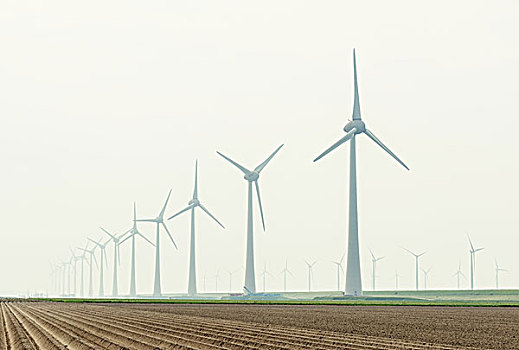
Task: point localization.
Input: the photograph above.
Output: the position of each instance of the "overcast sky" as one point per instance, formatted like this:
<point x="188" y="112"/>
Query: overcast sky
<point x="104" y="103"/>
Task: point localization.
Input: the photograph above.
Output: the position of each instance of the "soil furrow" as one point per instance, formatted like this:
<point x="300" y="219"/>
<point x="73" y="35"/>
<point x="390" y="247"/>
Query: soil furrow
<point x="18" y="337"/>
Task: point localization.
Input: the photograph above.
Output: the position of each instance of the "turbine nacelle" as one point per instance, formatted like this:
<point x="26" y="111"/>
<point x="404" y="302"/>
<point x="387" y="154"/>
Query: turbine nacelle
<point x="251" y="176"/>
<point x="358" y="124"/>
<point x="195" y="202"/>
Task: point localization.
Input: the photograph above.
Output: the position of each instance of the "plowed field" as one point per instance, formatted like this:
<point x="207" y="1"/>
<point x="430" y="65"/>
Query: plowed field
<point x="48" y="325"/>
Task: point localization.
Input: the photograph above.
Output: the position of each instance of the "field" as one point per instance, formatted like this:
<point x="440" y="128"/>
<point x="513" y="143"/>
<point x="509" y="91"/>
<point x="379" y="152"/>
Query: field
<point x="54" y="325"/>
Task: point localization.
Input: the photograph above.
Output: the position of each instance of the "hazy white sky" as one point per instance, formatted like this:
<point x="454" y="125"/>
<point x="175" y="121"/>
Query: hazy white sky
<point x="103" y="103"/>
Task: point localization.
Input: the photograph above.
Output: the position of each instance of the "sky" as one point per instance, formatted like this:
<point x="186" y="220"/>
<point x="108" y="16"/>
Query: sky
<point x="107" y="103"/>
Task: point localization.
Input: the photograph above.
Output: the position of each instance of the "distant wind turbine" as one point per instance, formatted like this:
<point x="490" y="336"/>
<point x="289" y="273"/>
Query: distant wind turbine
<point x="82" y="257"/>
<point x="134" y="232"/>
<point x="498" y="269"/>
<point x="374" y="261"/>
<point x="425" y="276"/>
<point x="458" y="274"/>
<point x="117" y="259"/>
<point x="230" y="278"/>
<point x="355" y="127"/>
<point x="286" y="271"/>
<point x="310" y="273"/>
<point x="192" y="205"/>
<point x="102" y="258"/>
<point x="251" y="177"/>
<point x="339" y="269"/>
<point x="264" y="274"/>
<point x="416" y="256"/>
<point x="91" y="252"/>
<point x="472" y="261"/>
<point x="159" y="220"/>
<point x="397" y="276"/>
<point x="73" y="263"/>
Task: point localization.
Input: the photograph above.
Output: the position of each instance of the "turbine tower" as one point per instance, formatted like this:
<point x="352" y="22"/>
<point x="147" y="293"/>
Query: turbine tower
<point x="355" y="127"/>
<point x="425" y="276"/>
<point x="92" y="257"/>
<point x="134" y="232"/>
<point x="310" y="266"/>
<point x="416" y="256"/>
<point x="374" y="271"/>
<point x="397" y="276"/>
<point x="284" y="272"/>
<point x="193" y="203"/>
<point x="472" y="261"/>
<point x="339" y="269"/>
<point x="458" y="274"/>
<point x="82" y="257"/>
<point x="159" y="220"/>
<point x="251" y="176"/>
<point x="498" y="269"/>
<point x="73" y="263"/>
<point x="101" y="269"/>
<point x="117" y="260"/>
<point x="264" y="274"/>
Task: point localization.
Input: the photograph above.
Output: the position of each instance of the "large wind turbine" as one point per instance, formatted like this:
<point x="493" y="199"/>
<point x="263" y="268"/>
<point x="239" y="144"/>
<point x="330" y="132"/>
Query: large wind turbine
<point x="355" y="127"/>
<point x="472" y="261"/>
<point x="101" y="266"/>
<point x="458" y="274"/>
<point x="92" y="257"/>
<point x="339" y="269"/>
<point x="374" y="271"/>
<point x="117" y="259"/>
<point x="134" y="232"/>
<point x="159" y="220"/>
<point x="193" y="203"/>
<point x="416" y="256"/>
<point x="498" y="269"/>
<point x="310" y="273"/>
<point x="251" y="176"/>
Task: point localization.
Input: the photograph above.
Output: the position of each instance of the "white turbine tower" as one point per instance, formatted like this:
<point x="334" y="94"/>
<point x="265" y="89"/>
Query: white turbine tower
<point x="101" y="266"/>
<point x="416" y="256"/>
<point x="73" y="263"/>
<point x="159" y="220"/>
<point x="193" y="203"/>
<point x="374" y="261"/>
<point x="82" y="257"/>
<point x="251" y="176"/>
<point x="264" y="274"/>
<point x="425" y="276"/>
<point x="310" y="273"/>
<point x="397" y="276"/>
<point x="117" y="260"/>
<point x="498" y="269"/>
<point x="286" y="271"/>
<point x="134" y="232"/>
<point x="353" y="128"/>
<point x="472" y="261"/>
<point x="339" y="269"/>
<point x="91" y="252"/>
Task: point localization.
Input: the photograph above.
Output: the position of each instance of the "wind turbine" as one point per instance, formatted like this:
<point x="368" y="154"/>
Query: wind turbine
<point x="284" y="272"/>
<point x="117" y="259"/>
<point x="458" y="274"/>
<point x="339" y="269"/>
<point x="264" y="274"/>
<point x="73" y="263"/>
<point x="472" y="261"/>
<point x="251" y="176"/>
<point x="425" y="276"/>
<point x="82" y="257"/>
<point x="159" y="220"/>
<point x="310" y="266"/>
<point x="416" y="256"/>
<point x="101" y="267"/>
<point x="498" y="269"/>
<point x="397" y="276"/>
<point x="374" y="272"/>
<point x="193" y="203"/>
<point x="92" y="257"/>
<point x="134" y="232"/>
<point x="230" y="278"/>
<point x="355" y="127"/>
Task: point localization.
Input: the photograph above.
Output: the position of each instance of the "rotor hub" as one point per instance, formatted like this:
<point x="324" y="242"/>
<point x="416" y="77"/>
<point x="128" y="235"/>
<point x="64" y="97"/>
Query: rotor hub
<point x="359" y="126"/>
<point x="194" y="202"/>
<point x="252" y="176"/>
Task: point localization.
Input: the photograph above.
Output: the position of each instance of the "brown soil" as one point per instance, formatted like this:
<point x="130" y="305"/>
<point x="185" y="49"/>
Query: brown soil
<point x="47" y="325"/>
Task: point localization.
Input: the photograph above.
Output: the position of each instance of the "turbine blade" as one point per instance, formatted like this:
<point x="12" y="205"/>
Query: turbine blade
<point x="243" y="169"/>
<point x="384" y="147"/>
<point x="169" y="234"/>
<point x="407" y="250"/>
<point x="479" y="249"/>
<point x="290" y="273"/>
<point x="372" y="255"/>
<point x="356" y="104"/>
<point x="260" y="167"/>
<point x="134" y="212"/>
<point x="195" y="191"/>
<point x="470" y="241"/>
<point x="96" y="243"/>
<point x="180" y="212"/>
<point x="345" y="138"/>
<point x="108" y="233"/>
<point x="165" y="204"/>
<point x="211" y="215"/>
<point x="125" y="239"/>
<point x="150" y="242"/>
<point x="260" y="206"/>
<point x="95" y="259"/>
<point x="146" y="220"/>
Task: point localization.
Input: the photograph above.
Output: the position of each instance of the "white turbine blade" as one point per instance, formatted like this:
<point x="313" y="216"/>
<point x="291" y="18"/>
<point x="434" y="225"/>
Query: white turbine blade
<point x="260" y="167"/>
<point x="378" y="259"/>
<point x="243" y="169"/>
<point x="108" y="233"/>
<point x="470" y="241"/>
<point x="477" y="250"/>
<point x="356" y="104"/>
<point x="419" y="255"/>
<point x="125" y="239"/>
<point x="147" y="220"/>
<point x="345" y="138"/>
<point x="260" y="206"/>
<point x="96" y="243"/>
<point x="211" y="215"/>
<point x="342" y="259"/>
<point x="180" y="212"/>
<point x="372" y="255"/>
<point x="407" y="250"/>
<point x="290" y="273"/>
<point x="165" y="204"/>
<point x="169" y="234"/>
<point x="150" y="242"/>
<point x="195" y="191"/>
<point x="94" y="256"/>
<point x="384" y="147"/>
<point x="134" y="212"/>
